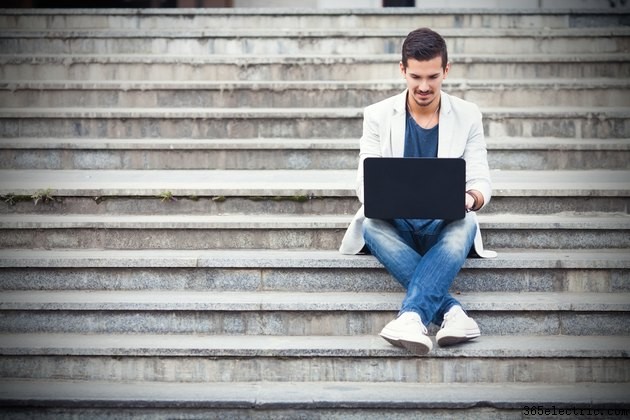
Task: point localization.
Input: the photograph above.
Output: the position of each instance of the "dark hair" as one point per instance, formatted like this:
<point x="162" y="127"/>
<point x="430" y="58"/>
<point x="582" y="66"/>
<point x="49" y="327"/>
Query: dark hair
<point x="424" y="44"/>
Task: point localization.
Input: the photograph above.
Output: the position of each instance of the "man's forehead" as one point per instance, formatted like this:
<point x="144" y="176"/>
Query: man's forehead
<point x="423" y="67"/>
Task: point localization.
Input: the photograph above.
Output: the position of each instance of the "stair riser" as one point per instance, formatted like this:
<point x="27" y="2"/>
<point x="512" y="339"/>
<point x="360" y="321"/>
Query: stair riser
<point x="192" y="205"/>
<point x="300" y="70"/>
<point x="306" y="369"/>
<point x="558" y="159"/>
<point x="289" y="205"/>
<point x="218" y="411"/>
<point x="85" y="43"/>
<point x="311" y="96"/>
<point x="304" y="322"/>
<point x="284" y="159"/>
<point x="301" y="20"/>
<point x="285" y="238"/>
<point x="495" y="125"/>
<point x="188" y="159"/>
<point x="550" y="205"/>
<point x="308" y="280"/>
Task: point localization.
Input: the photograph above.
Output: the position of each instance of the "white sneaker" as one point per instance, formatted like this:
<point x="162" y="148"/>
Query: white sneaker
<point x="409" y="332"/>
<point x="457" y="327"/>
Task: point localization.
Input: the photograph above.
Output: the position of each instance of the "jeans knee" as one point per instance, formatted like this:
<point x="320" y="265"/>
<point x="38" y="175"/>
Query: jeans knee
<point x="366" y="228"/>
<point x="371" y="227"/>
<point x="461" y="234"/>
<point x="470" y="223"/>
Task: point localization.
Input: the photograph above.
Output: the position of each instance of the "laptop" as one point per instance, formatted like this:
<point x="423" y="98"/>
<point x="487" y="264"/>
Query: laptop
<point x="414" y="188"/>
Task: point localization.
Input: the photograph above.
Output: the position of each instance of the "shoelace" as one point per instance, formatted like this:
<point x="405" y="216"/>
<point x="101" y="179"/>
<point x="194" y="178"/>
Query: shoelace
<point x="450" y="317"/>
<point x="415" y="321"/>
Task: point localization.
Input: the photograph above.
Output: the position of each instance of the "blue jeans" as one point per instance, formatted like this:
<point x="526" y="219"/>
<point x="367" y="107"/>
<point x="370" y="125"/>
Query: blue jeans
<point x="424" y="256"/>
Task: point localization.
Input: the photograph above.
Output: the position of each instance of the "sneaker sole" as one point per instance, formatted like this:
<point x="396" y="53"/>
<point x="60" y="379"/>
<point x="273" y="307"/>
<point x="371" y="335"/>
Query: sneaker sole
<point x="412" y="346"/>
<point x="416" y="347"/>
<point x="450" y="340"/>
<point x="391" y="340"/>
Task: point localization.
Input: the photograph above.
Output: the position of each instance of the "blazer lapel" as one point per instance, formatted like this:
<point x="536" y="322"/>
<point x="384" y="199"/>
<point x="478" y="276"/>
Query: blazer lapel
<point x="398" y="124"/>
<point x="445" y="131"/>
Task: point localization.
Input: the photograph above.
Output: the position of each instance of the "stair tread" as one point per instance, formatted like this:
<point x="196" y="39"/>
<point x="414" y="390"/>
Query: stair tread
<point x="256" y="12"/>
<point x="376" y="84"/>
<point x="276" y="395"/>
<point x="179" y="300"/>
<point x="268" y="258"/>
<point x="304" y="346"/>
<point x="254" y="59"/>
<point x="264" y="112"/>
<point x="310" y="32"/>
<point x="288" y="182"/>
<point x="293" y="221"/>
<point x="498" y="143"/>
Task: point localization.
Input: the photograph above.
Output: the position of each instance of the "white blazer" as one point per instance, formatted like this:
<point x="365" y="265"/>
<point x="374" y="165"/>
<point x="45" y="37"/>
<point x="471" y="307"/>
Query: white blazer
<point x="460" y="135"/>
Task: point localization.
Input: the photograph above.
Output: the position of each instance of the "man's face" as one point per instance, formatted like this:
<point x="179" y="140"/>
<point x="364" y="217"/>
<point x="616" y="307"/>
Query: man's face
<point x="424" y="79"/>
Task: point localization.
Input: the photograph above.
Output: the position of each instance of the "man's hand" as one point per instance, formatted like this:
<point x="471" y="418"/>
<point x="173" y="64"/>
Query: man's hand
<point x="470" y="202"/>
<point x="474" y="200"/>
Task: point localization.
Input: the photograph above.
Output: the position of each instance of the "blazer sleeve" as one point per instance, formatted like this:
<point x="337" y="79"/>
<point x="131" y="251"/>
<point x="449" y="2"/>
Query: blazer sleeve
<point x="476" y="156"/>
<point x="369" y="144"/>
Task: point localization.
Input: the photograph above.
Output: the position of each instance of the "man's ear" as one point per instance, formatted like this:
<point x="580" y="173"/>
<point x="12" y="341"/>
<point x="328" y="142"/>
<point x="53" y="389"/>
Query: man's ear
<point x="403" y="70"/>
<point x="446" y="69"/>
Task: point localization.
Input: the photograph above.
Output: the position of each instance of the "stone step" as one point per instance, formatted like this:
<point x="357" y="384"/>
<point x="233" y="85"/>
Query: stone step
<point x="522" y="270"/>
<point x="287" y="231"/>
<point x="234" y="94"/>
<point x="516" y="153"/>
<point x="282" y="191"/>
<point x="574" y="14"/>
<point x="285" y="183"/>
<point x="298" y="313"/>
<point x="298" y="68"/>
<point x="523" y="201"/>
<point x="99" y="399"/>
<point x="307" y="42"/>
<point x="565" y="122"/>
<point x="204" y="358"/>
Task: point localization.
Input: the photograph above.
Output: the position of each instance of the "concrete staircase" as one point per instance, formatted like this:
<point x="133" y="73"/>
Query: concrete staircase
<point x="175" y="184"/>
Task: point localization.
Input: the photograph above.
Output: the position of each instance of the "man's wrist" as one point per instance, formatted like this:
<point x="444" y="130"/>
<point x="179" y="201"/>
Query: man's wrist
<point x="477" y="199"/>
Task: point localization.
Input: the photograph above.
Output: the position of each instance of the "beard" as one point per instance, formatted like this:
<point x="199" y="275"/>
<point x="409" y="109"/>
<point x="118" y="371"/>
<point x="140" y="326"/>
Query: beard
<point x="424" y="101"/>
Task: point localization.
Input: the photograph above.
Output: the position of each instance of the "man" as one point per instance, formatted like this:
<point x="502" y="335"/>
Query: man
<point x="424" y="255"/>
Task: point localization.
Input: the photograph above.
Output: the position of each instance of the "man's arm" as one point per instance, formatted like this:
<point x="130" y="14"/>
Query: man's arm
<point x="478" y="183"/>
<point x="370" y="146"/>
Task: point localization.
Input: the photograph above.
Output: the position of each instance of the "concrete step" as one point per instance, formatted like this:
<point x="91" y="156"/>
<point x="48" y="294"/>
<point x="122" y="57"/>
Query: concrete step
<point x="513" y="270"/>
<point x="525" y="153"/>
<point x="309" y="399"/>
<point x="298" y="68"/>
<point x="565" y="122"/>
<point x="203" y="358"/>
<point x="283" y="183"/>
<point x="541" y="200"/>
<point x="527" y="16"/>
<point x="293" y="313"/>
<point x="282" y="191"/>
<point x="505" y="153"/>
<point x="287" y="231"/>
<point x="330" y="94"/>
<point x="307" y="42"/>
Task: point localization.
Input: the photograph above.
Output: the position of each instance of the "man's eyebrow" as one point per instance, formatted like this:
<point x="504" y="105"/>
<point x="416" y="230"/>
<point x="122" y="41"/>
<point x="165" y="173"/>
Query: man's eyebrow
<point x="430" y="75"/>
